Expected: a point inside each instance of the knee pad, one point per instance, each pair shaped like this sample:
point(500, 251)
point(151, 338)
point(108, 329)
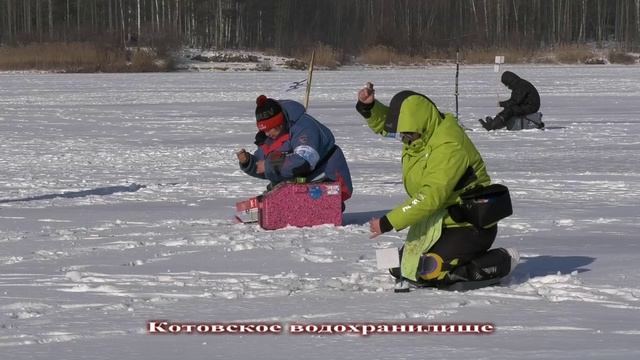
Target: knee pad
point(430, 266)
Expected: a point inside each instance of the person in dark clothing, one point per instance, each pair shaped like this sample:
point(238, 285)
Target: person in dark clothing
point(524, 100)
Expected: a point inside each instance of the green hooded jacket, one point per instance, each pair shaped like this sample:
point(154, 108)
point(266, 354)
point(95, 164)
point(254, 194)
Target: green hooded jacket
point(436, 169)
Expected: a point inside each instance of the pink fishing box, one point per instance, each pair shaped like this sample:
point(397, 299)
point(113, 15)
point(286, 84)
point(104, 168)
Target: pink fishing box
point(294, 204)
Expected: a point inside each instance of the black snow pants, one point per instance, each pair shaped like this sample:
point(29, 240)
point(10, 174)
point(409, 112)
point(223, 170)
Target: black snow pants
point(517, 110)
point(461, 254)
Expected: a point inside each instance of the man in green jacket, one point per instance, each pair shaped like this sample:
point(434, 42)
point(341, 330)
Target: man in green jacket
point(439, 162)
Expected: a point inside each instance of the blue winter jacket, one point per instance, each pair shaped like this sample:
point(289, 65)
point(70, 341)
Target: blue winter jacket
point(306, 149)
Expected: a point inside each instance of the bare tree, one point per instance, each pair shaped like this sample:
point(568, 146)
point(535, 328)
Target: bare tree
point(637, 33)
point(50, 17)
point(139, 32)
point(583, 22)
point(411, 26)
point(10, 24)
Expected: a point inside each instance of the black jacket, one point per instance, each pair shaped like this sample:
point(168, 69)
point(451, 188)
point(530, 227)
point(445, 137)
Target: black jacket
point(523, 94)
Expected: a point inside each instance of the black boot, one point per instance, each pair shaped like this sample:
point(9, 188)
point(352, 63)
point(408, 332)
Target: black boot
point(495, 263)
point(486, 123)
point(395, 272)
point(498, 122)
point(495, 123)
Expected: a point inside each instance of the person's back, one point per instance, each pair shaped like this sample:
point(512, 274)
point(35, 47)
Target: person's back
point(525, 98)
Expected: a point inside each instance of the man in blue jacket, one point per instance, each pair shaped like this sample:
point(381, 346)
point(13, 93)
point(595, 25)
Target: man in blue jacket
point(292, 144)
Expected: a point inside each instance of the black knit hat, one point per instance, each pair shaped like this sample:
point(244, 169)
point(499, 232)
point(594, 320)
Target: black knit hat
point(268, 113)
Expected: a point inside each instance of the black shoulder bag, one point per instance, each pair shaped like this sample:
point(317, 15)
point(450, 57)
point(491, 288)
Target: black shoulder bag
point(483, 206)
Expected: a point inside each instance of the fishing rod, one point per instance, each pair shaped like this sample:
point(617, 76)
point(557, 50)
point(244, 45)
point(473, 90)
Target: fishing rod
point(456, 92)
point(309, 76)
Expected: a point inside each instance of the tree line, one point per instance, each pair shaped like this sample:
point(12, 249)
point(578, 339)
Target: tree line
point(410, 26)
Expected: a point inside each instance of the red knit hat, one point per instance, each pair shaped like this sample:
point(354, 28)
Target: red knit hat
point(268, 113)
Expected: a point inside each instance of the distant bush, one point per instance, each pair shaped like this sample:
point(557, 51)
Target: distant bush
point(573, 54)
point(488, 56)
point(378, 55)
point(595, 61)
point(563, 55)
point(482, 56)
point(225, 57)
point(326, 56)
point(544, 58)
point(80, 57)
point(616, 57)
point(383, 55)
point(264, 65)
point(76, 57)
point(295, 64)
point(145, 60)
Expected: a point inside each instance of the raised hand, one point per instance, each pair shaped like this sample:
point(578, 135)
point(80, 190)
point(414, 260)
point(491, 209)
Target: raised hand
point(243, 156)
point(367, 94)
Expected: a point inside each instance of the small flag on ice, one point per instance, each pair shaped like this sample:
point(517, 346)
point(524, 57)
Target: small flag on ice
point(387, 258)
point(499, 60)
point(296, 84)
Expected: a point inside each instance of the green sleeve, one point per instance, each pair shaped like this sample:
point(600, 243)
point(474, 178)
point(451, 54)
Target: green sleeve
point(377, 118)
point(440, 173)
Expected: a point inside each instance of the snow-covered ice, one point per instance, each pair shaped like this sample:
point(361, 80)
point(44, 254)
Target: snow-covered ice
point(117, 193)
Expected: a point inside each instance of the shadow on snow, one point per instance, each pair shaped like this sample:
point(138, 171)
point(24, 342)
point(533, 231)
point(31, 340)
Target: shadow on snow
point(551, 265)
point(361, 218)
point(101, 191)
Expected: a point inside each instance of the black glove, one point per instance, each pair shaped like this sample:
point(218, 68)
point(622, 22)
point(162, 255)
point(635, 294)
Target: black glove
point(260, 138)
point(365, 109)
point(385, 225)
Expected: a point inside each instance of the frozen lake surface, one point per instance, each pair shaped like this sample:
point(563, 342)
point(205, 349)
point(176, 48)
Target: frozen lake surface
point(117, 193)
